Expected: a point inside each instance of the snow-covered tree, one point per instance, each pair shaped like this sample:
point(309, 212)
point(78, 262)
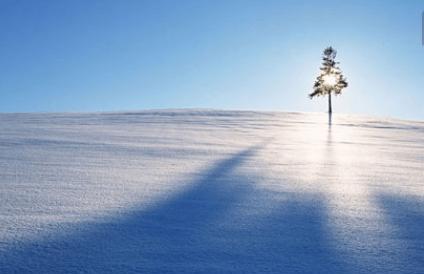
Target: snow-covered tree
point(331, 79)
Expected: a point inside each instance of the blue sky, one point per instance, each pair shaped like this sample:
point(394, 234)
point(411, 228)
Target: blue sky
point(264, 55)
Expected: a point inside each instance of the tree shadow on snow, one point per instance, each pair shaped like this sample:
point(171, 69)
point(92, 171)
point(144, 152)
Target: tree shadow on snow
point(204, 229)
point(406, 216)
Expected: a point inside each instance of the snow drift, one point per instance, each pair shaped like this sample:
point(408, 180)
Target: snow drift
point(190, 191)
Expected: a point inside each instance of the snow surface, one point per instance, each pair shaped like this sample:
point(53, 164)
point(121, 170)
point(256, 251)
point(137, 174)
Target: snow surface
point(203, 191)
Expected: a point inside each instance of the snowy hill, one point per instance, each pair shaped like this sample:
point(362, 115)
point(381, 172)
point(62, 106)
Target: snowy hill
point(190, 191)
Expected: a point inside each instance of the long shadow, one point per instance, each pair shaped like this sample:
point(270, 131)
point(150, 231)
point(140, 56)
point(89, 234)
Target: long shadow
point(154, 240)
point(406, 216)
point(197, 231)
point(292, 238)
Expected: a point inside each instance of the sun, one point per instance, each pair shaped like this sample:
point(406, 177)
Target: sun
point(330, 79)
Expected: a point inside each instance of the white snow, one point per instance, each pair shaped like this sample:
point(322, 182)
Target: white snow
point(203, 191)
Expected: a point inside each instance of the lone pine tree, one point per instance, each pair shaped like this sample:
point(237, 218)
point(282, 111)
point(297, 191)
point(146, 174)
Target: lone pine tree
point(331, 79)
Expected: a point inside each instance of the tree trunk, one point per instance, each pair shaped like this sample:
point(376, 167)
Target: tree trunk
point(330, 109)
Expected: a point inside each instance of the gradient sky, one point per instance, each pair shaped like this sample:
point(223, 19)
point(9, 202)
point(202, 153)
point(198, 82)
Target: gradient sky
point(81, 55)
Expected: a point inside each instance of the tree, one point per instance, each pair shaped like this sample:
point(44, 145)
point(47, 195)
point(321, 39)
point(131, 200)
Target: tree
point(331, 79)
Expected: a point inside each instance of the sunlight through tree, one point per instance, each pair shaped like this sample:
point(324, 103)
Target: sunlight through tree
point(331, 79)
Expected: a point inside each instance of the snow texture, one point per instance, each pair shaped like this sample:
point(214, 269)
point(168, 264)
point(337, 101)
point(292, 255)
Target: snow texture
point(203, 191)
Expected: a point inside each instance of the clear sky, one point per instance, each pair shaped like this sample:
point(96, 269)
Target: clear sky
point(86, 55)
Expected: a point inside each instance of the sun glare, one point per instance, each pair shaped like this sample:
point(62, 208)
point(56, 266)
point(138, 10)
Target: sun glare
point(330, 79)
